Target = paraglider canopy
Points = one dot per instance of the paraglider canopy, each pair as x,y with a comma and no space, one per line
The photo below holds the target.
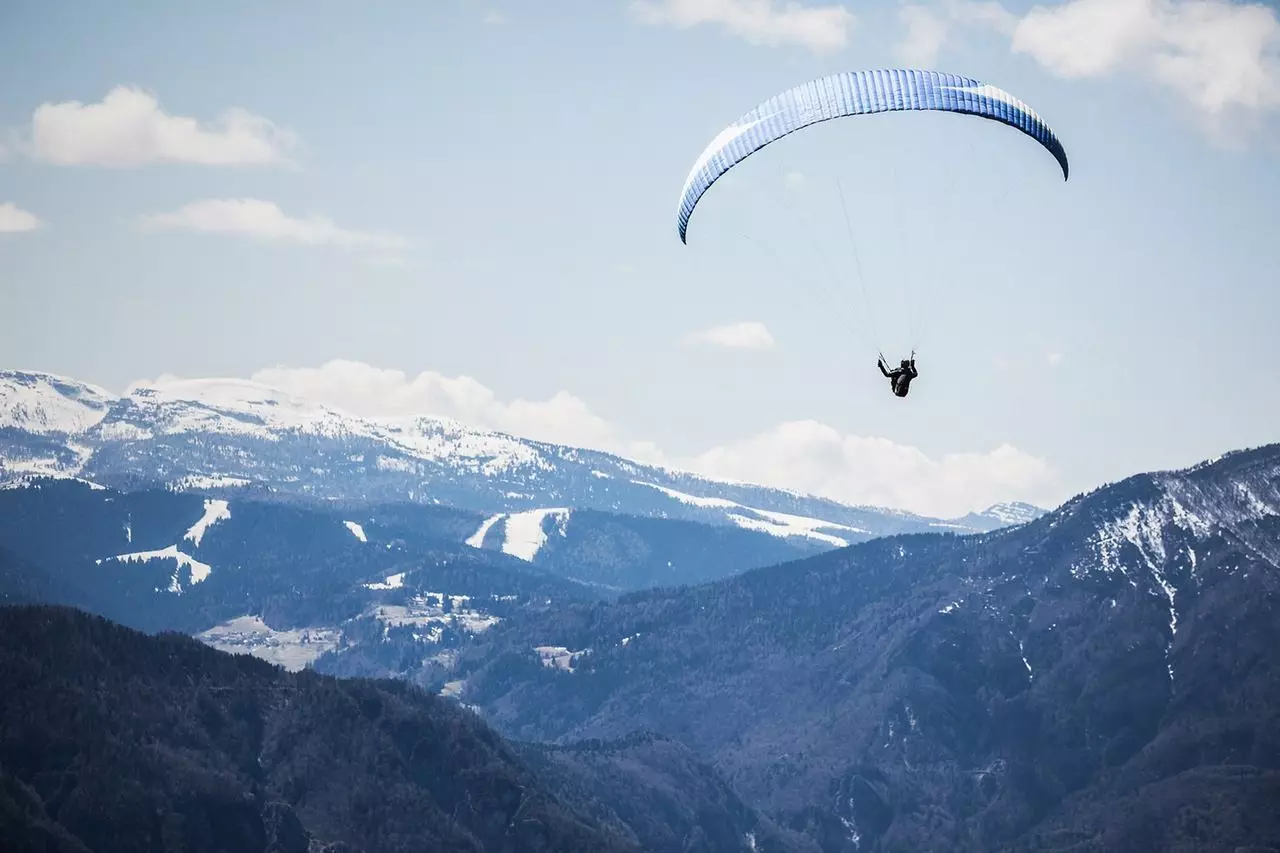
852,94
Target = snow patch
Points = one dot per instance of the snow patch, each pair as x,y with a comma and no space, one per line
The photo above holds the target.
851,828
404,466
123,431
391,582
476,540
356,530
199,571
783,525
779,524
214,511
1022,652
42,403
525,535
1013,513
691,500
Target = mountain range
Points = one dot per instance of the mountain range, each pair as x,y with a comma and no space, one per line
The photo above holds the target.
118,741
668,676
1102,678
353,590
234,437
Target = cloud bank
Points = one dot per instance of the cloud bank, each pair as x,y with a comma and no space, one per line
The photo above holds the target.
803,455
373,392
1217,55
1220,58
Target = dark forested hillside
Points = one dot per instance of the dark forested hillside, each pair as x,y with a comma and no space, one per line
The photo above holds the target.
666,798
380,591
1103,678
158,560
23,582
113,741
219,556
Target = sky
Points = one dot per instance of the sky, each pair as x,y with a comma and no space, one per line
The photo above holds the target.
469,208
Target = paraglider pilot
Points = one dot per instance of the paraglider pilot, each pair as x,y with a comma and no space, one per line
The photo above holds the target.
900,377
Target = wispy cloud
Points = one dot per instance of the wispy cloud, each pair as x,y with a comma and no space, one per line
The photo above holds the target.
14,219
804,455
820,29
816,458
128,128
926,31
1218,56
266,222
928,27
744,335
495,19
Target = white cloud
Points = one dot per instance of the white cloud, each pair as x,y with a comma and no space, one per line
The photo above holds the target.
1054,359
1218,55
821,29
14,219
813,457
495,19
265,221
128,128
1222,58
806,456
744,335
368,391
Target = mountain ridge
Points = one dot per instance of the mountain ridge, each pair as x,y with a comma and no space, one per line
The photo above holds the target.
118,740
220,436
928,691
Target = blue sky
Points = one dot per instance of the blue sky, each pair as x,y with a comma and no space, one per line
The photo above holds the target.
469,208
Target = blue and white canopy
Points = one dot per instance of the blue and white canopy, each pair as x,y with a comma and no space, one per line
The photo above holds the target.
852,94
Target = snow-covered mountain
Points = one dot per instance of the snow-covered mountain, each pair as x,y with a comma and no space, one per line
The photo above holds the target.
224,437
1081,682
